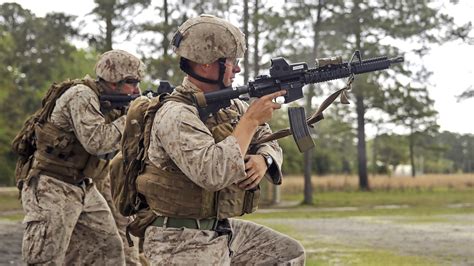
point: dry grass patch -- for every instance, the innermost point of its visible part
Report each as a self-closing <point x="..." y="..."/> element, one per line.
<point x="294" y="184"/>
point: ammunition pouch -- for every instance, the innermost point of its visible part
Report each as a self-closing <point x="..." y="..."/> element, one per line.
<point x="170" y="193"/>
<point x="175" y="195"/>
<point x="137" y="227"/>
<point x="60" y="155"/>
<point x="22" y="170"/>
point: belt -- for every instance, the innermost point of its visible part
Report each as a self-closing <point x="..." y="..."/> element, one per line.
<point x="38" y="168"/>
<point x="202" y="224"/>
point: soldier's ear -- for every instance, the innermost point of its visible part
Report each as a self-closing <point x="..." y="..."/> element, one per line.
<point x="204" y="68"/>
<point x="111" y="87"/>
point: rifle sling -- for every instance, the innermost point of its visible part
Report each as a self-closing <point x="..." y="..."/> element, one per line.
<point x="314" y="118"/>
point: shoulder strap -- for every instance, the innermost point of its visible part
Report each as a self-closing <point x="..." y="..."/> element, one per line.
<point x="314" y="118"/>
<point x="155" y="104"/>
<point x="57" y="90"/>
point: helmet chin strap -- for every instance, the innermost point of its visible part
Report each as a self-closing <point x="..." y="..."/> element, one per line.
<point x="184" y="65"/>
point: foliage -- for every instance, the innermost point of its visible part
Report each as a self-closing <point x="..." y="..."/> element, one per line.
<point x="117" y="15"/>
<point x="36" y="51"/>
<point x="161" y="62"/>
<point x="453" y="151"/>
<point x="468" y="93"/>
<point x="391" y="150"/>
<point x="334" y="148"/>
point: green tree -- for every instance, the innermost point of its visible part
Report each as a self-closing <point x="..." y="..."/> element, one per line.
<point x="468" y="93"/>
<point x="391" y="150"/>
<point x="375" y="27"/>
<point x="156" y="51"/>
<point x="117" y="15"/>
<point x="161" y="62"/>
<point x="35" y="52"/>
<point x="413" y="108"/>
<point x="457" y="148"/>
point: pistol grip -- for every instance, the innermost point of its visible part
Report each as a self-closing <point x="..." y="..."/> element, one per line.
<point x="300" y="129"/>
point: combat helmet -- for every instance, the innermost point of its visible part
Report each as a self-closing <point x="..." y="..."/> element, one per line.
<point x="119" y="65"/>
<point x="206" y="39"/>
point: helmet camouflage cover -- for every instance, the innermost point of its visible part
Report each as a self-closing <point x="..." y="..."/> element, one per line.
<point x="118" y="65"/>
<point x="206" y="38"/>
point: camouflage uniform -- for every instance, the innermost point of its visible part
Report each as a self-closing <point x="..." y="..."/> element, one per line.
<point x="251" y="244"/>
<point x="131" y="253"/>
<point x="177" y="133"/>
<point x="68" y="223"/>
<point x="71" y="223"/>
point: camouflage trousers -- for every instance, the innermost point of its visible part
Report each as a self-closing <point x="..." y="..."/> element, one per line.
<point x="250" y="244"/>
<point x="131" y="253"/>
<point x="68" y="225"/>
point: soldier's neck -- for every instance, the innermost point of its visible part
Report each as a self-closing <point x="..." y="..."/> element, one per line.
<point x="203" y="86"/>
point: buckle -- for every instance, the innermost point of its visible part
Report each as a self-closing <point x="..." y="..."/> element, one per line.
<point x="171" y="222"/>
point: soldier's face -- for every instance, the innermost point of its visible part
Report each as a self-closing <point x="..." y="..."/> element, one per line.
<point x="127" y="87"/>
<point x="130" y="89"/>
<point x="231" y="68"/>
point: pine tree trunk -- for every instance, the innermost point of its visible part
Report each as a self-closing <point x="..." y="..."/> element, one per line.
<point x="246" y="32"/>
<point x="256" y="56"/>
<point x="109" y="28"/>
<point x="308" y="187"/>
<point x="411" y="145"/>
<point x="360" y="109"/>
<point x="165" y="43"/>
<point x="361" y="150"/>
<point x="308" y="155"/>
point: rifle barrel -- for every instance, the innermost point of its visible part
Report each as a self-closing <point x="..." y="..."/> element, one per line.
<point x="118" y="97"/>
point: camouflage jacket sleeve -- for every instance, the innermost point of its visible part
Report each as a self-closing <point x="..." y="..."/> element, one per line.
<point x="268" y="148"/>
<point x="78" y="110"/>
<point x="179" y="134"/>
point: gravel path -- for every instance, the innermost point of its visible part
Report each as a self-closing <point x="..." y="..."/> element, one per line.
<point x="448" y="242"/>
<point x="10" y="242"/>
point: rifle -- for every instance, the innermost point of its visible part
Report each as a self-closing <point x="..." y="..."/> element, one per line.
<point x="292" y="78"/>
<point x="164" y="87"/>
<point x="117" y="101"/>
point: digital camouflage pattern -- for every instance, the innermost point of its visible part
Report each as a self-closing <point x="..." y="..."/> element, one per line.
<point x="206" y="38"/>
<point x="118" y="65"/>
<point x="131" y="253"/>
<point x="68" y="223"/>
<point x="178" y="134"/>
<point x="250" y="244"/>
<point x="78" y="111"/>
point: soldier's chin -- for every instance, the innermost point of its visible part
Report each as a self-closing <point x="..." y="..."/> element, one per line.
<point x="228" y="84"/>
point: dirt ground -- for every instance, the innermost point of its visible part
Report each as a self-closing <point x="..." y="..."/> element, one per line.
<point x="450" y="242"/>
<point x="10" y="242"/>
<point x="447" y="239"/>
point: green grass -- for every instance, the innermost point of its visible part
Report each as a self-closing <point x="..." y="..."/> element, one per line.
<point x="14" y="217"/>
<point x="9" y="202"/>
<point x="419" y="204"/>
<point x="302" y="212"/>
